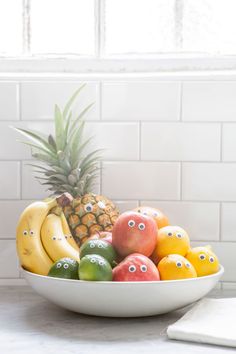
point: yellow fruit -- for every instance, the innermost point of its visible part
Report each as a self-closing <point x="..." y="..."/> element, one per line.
<point x="29" y="247"/>
<point x="204" y="260"/>
<point x="170" y="240"/>
<point x="174" y="267"/>
<point x="54" y="241"/>
<point x="67" y="232"/>
<point x="160" y="218"/>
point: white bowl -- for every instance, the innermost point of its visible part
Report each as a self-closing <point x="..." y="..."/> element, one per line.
<point x="122" y="299"/>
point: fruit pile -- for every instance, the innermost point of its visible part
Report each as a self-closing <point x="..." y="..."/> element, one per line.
<point x="76" y="234"/>
<point x="142" y="246"/>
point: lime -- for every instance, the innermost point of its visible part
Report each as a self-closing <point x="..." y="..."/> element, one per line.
<point x="95" y="267"/>
<point x="65" y="268"/>
<point x="100" y="247"/>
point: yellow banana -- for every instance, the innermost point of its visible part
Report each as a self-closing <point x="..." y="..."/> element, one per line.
<point x="54" y="241"/>
<point x="67" y="232"/>
<point x="29" y="247"/>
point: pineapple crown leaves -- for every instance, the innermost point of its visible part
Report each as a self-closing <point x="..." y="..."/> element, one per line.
<point x="63" y="164"/>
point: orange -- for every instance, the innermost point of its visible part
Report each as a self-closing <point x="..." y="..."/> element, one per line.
<point x="170" y="240"/>
<point x="160" y="218"/>
<point x="204" y="260"/>
<point x="174" y="267"/>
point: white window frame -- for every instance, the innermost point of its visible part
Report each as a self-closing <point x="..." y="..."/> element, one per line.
<point x="114" y="63"/>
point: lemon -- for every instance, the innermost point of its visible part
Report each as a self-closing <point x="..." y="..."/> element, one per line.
<point x="170" y="240"/>
<point x="204" y="260"/>
<point x="174" y="267"/>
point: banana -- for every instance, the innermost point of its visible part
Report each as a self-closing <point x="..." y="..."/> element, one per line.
<point x="54" y="241"/>
<point x="29" y="247"/>
<point x="67" y="232"/>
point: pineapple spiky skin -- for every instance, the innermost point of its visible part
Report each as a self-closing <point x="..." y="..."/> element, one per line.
<point x="90" y="214"/>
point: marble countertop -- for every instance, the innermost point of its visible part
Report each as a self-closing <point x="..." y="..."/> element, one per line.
<point x="30" y="324"/>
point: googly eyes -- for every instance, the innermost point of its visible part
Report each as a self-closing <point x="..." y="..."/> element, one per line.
<point x="66" y="237"/>
<point x="101" y="205"/>
<point x="155" y="214"/>
<point x="202" y="257"/>
<point x="58" y="265"/>
<point x="132" y="269"/>
<point x="179" y="235"/>
<point x="88" y="207"/>
<point x="54" y="238"/>
<point x="141" y="226"/>
<point x="101" y="263"/>
<point x="100" y="245"/>
<point x="25" y="232"/>
<point x="143" y="268"/>
<point x="179" y="264"/>
<point x="93" y="260"/>
<point x="66" y="266"/>
<point x="169" y="234"/>
<point x="31" y="233"/>
<point x="187" y="265"/>
<point x="92" y="245"/>
<point x="131" y="223"/>
<point x="211" y="259"/>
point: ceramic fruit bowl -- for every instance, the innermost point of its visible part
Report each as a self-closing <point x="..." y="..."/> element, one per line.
<point x="122" y="299"/>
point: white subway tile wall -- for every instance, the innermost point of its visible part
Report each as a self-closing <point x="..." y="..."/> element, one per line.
<point x="167" y="144"/>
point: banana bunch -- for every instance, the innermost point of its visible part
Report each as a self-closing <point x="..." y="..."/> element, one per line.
<point x="43" y="237"/>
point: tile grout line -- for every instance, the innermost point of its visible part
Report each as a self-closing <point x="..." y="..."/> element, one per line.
<point x="181" y="103"/>
<point x="221" y="142"/>
<point x="220" y="222"/>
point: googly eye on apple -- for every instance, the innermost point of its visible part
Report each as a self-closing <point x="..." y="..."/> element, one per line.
<point x="66" y="266"/>
<point x="141" y="226"/>
<point x="143" y="268"/>
<point x="131" y="223"/>
<point x="132" y="268"/>
<point x="58" y="265"/>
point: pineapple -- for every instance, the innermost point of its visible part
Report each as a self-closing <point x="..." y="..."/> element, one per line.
<point x="70" y="173"/>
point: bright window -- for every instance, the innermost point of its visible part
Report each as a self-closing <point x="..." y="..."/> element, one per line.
<point x="117" y="29"/>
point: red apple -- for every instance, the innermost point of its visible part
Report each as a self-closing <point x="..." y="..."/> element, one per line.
<point x="103" y="235"/>
<point x="136" y="267"/>
<point x="134" y="232"/>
